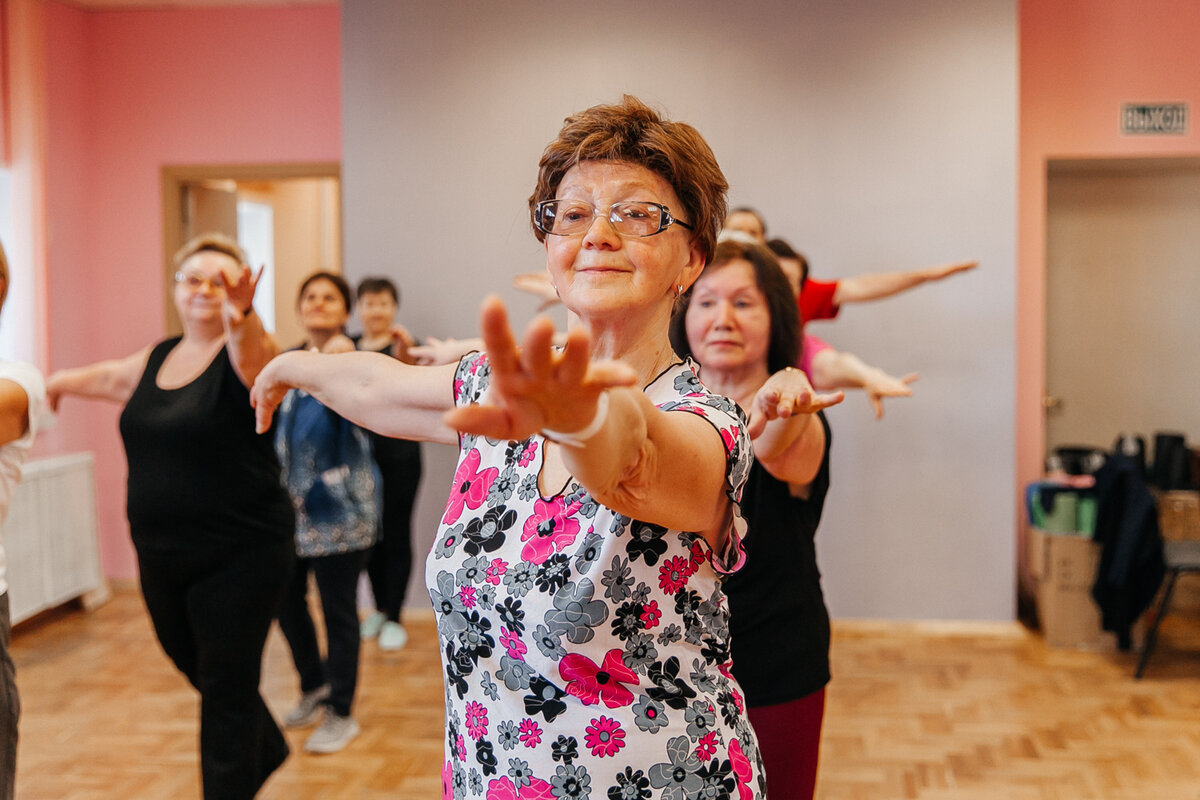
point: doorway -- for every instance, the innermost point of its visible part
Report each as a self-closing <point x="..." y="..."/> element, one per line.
<point x="287" y="217"/>
<point x="1123" y="278"/>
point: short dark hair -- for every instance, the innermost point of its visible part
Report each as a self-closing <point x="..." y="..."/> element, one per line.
<point x="632" y="132"/>
<point x="375" y="286"/>
<point x="337" y="280"/>
<point x="784" y="250"/>
<point x="3" y="276"/>
<point x="783" y="350"/>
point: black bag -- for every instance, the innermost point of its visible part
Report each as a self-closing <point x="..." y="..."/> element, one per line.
<point x="1171" y="462"/>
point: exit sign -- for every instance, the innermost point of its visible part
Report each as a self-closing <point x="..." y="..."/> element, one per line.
<point x="1154" y="118"/>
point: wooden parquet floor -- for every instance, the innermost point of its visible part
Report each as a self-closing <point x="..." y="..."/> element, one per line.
<point x="914" y="711"/>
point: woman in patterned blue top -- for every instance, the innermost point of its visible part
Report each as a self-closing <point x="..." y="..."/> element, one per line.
<point x="576" y="572"/>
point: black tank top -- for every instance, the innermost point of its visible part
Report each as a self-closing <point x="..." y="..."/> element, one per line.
<point x="199" y="476"/>
<point x="778" y="624"/>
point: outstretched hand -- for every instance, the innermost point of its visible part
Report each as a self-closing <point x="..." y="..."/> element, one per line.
<point x="946" y="270"/>
<point x="270" y="388"/>
<point x="884" y="385"/>
<point x="785" y="394"/>
<point x="536" y="386"/>
<point x="539" y="285"/>
<point x="240" y="286"/>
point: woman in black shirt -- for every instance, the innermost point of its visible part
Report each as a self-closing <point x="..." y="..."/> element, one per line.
<point x="739" y="321"/>
<point x="210" y="520"/>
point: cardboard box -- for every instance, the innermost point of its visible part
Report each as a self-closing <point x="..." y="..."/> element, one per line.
<point x="1179" y="515"/>
<point x="1064" y="569"/>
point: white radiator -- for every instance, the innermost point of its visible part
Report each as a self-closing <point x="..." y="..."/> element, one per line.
<point x="50" y="535"/>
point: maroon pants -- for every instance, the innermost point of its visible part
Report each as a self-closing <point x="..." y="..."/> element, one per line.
<point x="789" y="737"/>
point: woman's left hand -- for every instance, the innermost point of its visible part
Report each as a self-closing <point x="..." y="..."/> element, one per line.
<point x="787" y="393"/>
<point x="239" y="292"/>
<point x="535" y="386"/>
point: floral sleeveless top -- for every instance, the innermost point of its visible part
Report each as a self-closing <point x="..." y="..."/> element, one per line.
<point x="586" y="654"/>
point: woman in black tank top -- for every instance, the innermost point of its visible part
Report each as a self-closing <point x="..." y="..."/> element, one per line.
<point x="210" y="520"/>
<point x="739" y="321"/>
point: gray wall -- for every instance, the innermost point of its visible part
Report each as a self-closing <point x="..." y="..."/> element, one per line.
<point x="874" y="134"/>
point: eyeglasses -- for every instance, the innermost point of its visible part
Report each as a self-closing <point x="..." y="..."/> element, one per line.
<point x="574" y="218"/>
<point x="192" y="281"/>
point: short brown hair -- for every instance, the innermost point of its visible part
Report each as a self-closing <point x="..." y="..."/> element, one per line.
<point x="338" y="282"/>
<point x="783" y="350"/>
<point x="216" y="242"/>
<point x="632" y="132"/>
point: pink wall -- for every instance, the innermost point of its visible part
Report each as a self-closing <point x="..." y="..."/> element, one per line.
<point x="1079" y="61"/>
<point x="129" y="92"/>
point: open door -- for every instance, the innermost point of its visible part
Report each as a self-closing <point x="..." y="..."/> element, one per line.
<point x="1123" y="279"/>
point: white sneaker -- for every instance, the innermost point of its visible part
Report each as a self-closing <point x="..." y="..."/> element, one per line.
<point x="392" y="636"/>
<point x="308" y="709"/>
<point x="371" y="624"/>
<point x="334" y="734"/>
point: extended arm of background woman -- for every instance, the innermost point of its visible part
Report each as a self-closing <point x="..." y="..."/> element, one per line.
<point x="250" y="345"/>
<point x="788" y="440"/>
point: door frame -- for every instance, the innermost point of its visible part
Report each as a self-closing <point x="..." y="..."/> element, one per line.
<point x="173" y="178"/>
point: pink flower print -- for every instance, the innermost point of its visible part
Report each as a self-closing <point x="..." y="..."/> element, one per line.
<point x="699" y="556"/>
<point x="503" y="789"/>
<point x="729" y="436"/>
<point x="528" y="453"/>
<point x="591" y="683"/>
<point x="495" y="571"/>
<point x="650" y="614"/>
<point x="467" y="595"/>
<point x="706" y="746"/>
<point x="447" y="781"/>
<point x="550" y="529"/>
<point x="738" y="701"/>
<point x="460" y="744"/>
<point x="513" y="644"/>
<point x="470" y="487"/>
<point x="741" y="770"/>
<point x="476" y="720"/>
<point x="673" y="575"/>
<point x="604" y="736"/>
<point x="529" y="732"/>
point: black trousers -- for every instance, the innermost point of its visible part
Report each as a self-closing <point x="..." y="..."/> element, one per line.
<point x="337" y="585"/>
<point x="212" y="609"/>
<point x="390" y="562"/>
<point x="10" y="706"/>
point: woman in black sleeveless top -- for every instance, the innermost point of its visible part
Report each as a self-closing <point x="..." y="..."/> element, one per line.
<point x="210" y="520"/>
<point x="739" y="320"/>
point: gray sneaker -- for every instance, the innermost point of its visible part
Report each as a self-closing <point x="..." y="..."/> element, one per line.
<point x="308" y="710"/>
<point x="334" y="734"/>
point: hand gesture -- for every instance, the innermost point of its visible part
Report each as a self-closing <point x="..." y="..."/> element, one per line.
<point x="536" y="387"/>
<point x="338" y="343"/>
<point x="240" y="286"/>
<point x="946" y="270"/>
<point x="787" y="393"/>
<point x="270" y="388"/>
<point x="881" y="385"/>
<point x="539" y="285"/>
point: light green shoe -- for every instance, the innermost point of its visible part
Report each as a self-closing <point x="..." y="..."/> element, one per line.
<point x="392" y="636"/>
<point x="371" y="624"/>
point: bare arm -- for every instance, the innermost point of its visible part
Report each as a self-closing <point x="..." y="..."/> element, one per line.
<point x="639" y="459"/>
<point x="14" y="411"/>
<point x="373" y="390"/>
<point x="832" y="369"/>
<point x="442" y="351"/>
<point x="250" y="346"/>
<point x="113" y="380"/>
<point x="876" y="286"/>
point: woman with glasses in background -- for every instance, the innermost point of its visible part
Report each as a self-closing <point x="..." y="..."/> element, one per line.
<point x="576" y="573"/>
<point x="210" y="521"/>
<point x="739" y="321"/>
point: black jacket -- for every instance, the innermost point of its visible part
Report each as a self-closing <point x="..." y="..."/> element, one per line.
<point x="1131" y="556"/>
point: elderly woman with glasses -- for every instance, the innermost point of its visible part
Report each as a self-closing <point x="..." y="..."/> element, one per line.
<point x="210" y="520"/>
<point x="576" y="576"/>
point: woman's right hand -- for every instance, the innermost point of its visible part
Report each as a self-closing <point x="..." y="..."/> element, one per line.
<point x="785" y="394"/>
<point x="536" y="386"/>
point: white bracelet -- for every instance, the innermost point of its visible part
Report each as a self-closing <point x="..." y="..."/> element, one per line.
<point x="577" y="438"/>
